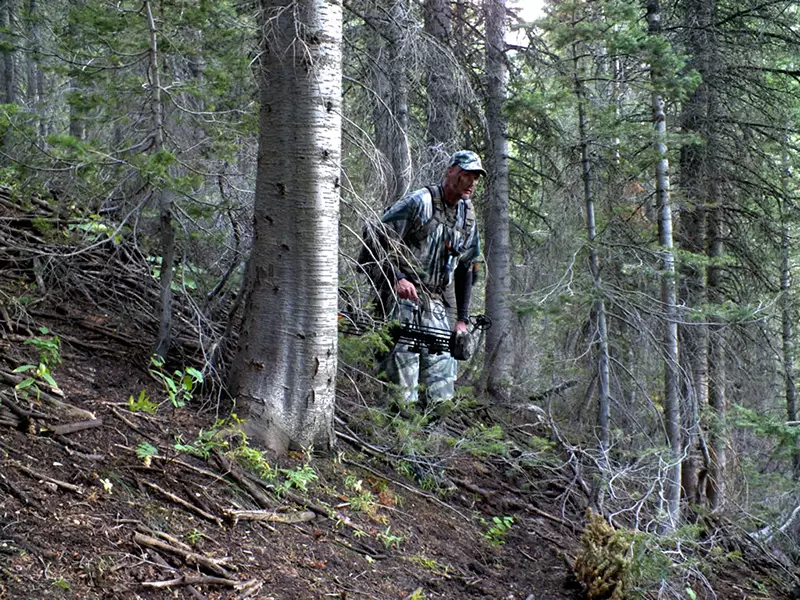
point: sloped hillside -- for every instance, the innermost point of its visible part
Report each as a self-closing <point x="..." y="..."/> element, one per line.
<point x="113" y="485"/>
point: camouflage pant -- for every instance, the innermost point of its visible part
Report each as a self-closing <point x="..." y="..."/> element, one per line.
<point x="408" y="370"/>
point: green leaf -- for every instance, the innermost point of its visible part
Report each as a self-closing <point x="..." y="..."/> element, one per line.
<point x="25" y="383"/>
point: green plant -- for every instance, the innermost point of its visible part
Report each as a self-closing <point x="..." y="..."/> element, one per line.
<point x="298" y="478"/>
<point x="205" y="444"/>
<point x="49" y="349"/>
<point x="498" y="530"/>
<point x="142" y="403"/>
<point x="180" y="384"/>
<point x="389" y="540"/>
<point x="253" y="460"/>
<point x="431" y="564"/>
<point x="146" y="451"/>
<point x="482" y="441"/>
<point x="193" y="537"/>
<point x="62" y="583"/>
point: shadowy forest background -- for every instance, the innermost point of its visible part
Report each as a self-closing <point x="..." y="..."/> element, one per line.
<point x="639" y="221"/>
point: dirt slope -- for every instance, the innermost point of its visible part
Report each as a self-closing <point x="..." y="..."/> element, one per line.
<point x="82" y="516"/>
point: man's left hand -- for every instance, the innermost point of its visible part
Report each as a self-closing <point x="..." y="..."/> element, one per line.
<point x="461" y="326"/>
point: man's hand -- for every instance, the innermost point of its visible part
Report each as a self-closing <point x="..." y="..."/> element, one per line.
<point x="406" y="290"/>
<point x="460" y="326"/>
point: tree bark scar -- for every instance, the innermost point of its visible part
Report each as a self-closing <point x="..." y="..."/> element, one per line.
<point x="316" y="367"/>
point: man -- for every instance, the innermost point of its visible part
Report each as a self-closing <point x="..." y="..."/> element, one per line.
<point x="437" y="243"/>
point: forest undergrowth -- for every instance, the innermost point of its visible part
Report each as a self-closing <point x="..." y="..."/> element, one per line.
<point x="127" y="477"/>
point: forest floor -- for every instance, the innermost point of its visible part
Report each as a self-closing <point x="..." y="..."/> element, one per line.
<point x="109" y="491"/>
<point x="85" y="513"/>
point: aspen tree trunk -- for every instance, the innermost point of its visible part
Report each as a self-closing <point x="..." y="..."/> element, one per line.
<point x="600" y="348"/>
<point x="164" y="196"/>
<point x="498" y="356"/>
<point x="672" y="417"/>
<point x="284" y="373"/>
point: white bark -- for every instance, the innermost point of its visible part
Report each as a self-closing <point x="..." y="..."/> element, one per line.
<point x="672" y="416"/>
<point x="285" y="368"/>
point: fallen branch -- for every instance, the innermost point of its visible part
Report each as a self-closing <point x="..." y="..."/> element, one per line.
<point x="190" y="558"/>
<point x="185" y="580"/>
<point x="494" y="498"/>
<point x="229" y="468"/>
<point x="76" y="427"/>
<point x="270" y="516"/>
<point x="184" y="503"/>
<point x="39" y="476"/>
<point x="11" y="490"/>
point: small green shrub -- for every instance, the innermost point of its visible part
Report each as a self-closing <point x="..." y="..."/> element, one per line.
<point x="180" y="384"/>
<point x="49" y="348"/>
<point x="498" y="530"/>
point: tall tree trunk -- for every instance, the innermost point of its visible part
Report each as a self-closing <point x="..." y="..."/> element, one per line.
<point x="696" y="186"/>
<point x="669" y="303"/>
<point x="441" y="85"/>
<point x="599" y="335"/>
<point x="787" y="318"/>
<point x="284" y="373"/>
<point x="34" y="74"/>
<point x="390" y="81"/>
<point x="164" y="196"/>
<point x="497" y="363"/>
<point x="717" y="368"/>
<point x="8" y="62"/>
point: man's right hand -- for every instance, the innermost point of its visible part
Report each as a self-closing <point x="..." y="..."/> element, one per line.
<point x="406" y="290"/>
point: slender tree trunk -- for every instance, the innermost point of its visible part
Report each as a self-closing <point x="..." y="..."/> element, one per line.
<point x="390" y="81"/>
<point x="284" y="373"/>
<point x="717" y="368"/>
<point x="696" y="187"/>
<point x="669" y="303"/>
<point x="787" y="331"/>
<point x="497" y="363"/>
<point x="8" y="63"/>
<point x="600" y="349"/>
<point x="34" y="74"/>
<point x="441" y="86"/>
<point x="164" y="196"/>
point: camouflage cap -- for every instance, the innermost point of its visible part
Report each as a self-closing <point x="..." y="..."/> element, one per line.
<point x="467" y="160"/>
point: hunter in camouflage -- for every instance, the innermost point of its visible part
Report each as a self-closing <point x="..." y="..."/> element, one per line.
<point x="436" y="243"/>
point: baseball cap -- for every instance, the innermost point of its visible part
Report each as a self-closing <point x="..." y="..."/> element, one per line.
<point x="467" y="160"/>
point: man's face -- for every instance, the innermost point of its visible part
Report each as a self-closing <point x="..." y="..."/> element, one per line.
<point x="461" y="182"/>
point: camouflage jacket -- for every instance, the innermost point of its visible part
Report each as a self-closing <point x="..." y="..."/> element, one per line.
<point x="435" y="238"/>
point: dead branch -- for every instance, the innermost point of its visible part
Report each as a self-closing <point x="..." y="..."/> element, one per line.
<point x="187" y="505"/>
<point x="19" y="495"/>
<point x="186" y="580"/>
<point x="76" y="426"/>
<point x="494" y="498"/>
<point x="191" y="558"/>
<point x="229" y="468"/>
<point x="40" y="477"/>
<point x="270" y="516"/>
